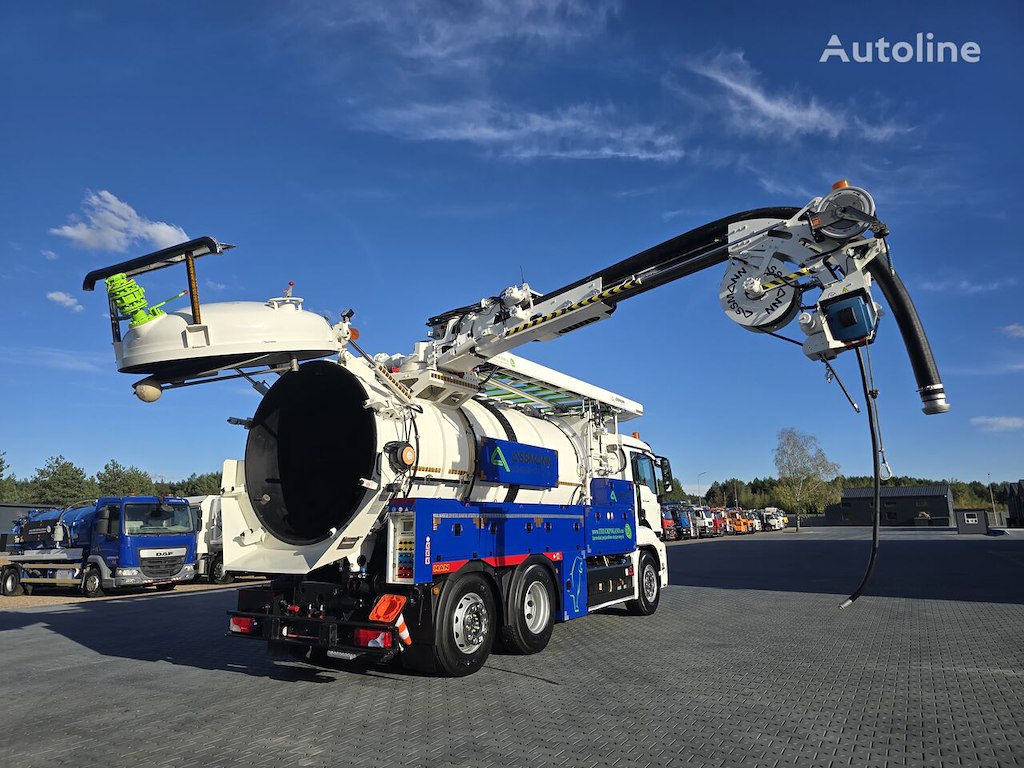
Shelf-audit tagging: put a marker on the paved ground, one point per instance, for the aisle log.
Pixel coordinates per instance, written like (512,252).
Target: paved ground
(746,663)
(64,596)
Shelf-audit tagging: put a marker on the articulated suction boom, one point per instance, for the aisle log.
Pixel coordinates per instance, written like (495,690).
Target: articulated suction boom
(775,258)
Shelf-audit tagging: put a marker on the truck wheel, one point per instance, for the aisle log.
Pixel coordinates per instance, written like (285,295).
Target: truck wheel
(217,573)
(10,581)
(649,583)
(165,587)
(92,584)
(466,628)
(531,618)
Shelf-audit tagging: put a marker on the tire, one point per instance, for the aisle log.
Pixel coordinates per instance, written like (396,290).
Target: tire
(531,610)
(92,584)
(165,587)
(649,584)
(10,582)
(217,573)
(466,626)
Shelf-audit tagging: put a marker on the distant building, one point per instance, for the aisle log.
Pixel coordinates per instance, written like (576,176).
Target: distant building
(901,505)
(1015,504)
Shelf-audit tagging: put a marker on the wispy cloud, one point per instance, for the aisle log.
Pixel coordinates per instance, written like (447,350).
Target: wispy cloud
(579,132)
(466,34)
(109,224)
(752,109)
(961,285)
(998,423)
(49,255)
(1014,330)
(65,300)
(59,359)
(215,286)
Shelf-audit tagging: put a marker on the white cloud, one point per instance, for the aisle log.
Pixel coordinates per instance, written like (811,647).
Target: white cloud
(49,255)
(751,109)
(1014,330)
(998,423)
(580,132)
(463,35)
(214,286)
(59,359)
(65,300)
(961,285)
(112,225)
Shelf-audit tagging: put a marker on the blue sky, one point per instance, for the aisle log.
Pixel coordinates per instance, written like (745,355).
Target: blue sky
(405,158)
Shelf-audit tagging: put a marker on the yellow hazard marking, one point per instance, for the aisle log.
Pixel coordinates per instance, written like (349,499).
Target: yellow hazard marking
(778,283)
(605,294)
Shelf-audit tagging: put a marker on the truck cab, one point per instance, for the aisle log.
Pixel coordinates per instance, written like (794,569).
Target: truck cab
(111,543)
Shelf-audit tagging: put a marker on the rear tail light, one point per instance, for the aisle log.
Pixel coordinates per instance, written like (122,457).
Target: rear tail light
(243,626)
(371,638)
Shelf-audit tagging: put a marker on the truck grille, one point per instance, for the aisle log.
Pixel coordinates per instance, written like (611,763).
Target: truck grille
(161,567)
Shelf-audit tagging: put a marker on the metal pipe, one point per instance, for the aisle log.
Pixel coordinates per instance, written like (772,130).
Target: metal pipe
(193,288)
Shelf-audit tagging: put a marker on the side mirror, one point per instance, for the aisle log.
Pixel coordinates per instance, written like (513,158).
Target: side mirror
(666,474)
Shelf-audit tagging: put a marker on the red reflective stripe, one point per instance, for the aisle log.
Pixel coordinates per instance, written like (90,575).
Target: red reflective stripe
(497,561)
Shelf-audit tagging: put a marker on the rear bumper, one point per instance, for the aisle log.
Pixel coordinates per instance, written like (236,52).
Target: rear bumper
(332,636)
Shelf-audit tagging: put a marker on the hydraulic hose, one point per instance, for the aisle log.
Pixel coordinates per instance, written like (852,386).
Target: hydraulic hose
(870,406)
(929,384)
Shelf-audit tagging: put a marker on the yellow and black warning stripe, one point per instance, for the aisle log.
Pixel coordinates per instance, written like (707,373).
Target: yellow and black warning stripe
(387,374)
(625,285)
(785,279)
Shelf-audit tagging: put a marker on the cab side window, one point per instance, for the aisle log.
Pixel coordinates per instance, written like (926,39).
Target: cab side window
(643,472)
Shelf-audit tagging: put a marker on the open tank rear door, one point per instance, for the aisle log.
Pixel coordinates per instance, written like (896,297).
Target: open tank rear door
(186,346)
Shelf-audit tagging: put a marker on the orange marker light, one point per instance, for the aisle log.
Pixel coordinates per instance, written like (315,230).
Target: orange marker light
(353,333)
(840,184)
(636,435)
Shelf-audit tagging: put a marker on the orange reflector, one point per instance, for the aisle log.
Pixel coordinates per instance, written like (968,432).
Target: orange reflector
(353,333)
(636,435)
(387,608)
(840,184)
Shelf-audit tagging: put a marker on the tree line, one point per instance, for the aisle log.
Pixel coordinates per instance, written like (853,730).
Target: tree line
(60,482)
(808,481)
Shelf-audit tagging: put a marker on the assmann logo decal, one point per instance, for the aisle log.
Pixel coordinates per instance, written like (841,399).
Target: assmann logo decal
(498,459)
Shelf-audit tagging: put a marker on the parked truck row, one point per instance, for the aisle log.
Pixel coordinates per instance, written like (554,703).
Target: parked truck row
(687,521)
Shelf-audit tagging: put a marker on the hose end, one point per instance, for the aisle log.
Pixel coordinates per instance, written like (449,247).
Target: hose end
(934,399)
(845,604)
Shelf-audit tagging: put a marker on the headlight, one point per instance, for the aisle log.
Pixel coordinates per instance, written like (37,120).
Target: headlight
(127,571)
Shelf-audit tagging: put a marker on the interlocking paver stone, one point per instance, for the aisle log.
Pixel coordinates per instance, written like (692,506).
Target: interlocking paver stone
(747,663)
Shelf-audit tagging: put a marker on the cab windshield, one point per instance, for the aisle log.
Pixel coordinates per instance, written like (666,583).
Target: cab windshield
(153,519)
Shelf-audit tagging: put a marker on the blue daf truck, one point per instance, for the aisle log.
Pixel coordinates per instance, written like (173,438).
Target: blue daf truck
(113,542)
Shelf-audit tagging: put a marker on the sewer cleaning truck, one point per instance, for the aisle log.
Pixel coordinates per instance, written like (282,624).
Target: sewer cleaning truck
(429,505)
(109,543)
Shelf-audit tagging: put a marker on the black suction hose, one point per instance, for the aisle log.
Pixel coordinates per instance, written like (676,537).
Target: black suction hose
(870,405)
(929,385)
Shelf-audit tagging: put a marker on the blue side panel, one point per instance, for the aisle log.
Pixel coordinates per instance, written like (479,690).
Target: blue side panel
(448,534)
(502,461)
(574,587)
(611,522)
(609,492)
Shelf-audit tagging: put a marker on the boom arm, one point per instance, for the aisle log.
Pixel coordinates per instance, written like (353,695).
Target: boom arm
(775,256)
